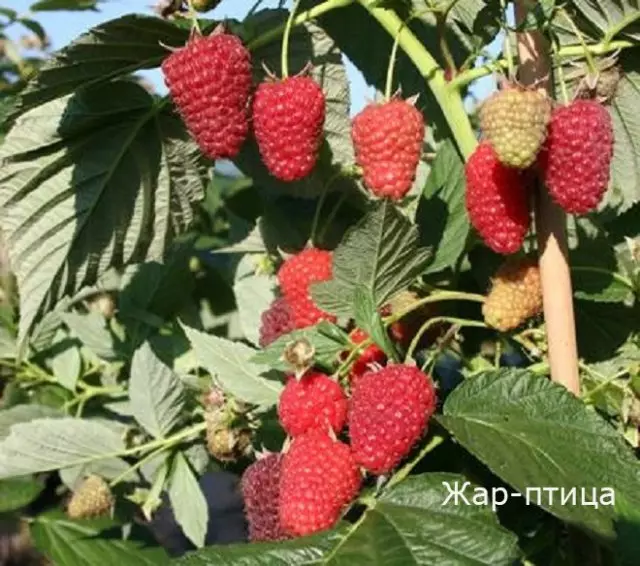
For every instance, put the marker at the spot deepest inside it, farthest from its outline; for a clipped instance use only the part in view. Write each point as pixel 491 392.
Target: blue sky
pixel 63 27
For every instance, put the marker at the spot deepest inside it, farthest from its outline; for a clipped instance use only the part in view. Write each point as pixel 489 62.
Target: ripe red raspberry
pixel 498 201
pixel 288 117
pixel 296 275
pixel 210 80
pixel 388 413
pixel 276 321
pixel 261 492
pixel 388 141
pixel 315 401
pixel 372 354
pixel 319 478
pixel 577 156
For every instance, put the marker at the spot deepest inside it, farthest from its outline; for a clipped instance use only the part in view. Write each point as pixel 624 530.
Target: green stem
pixel 507 42
pixel 590 63
pixel 623 23
pixel 436 297
pixel 284 55
pixel 193 15
pixel 403 472
pixel 433 321
pixel 301 18
pixel 392 63
pixel 568 51
pixel 139 464
pixel 448 99
pixel 151 445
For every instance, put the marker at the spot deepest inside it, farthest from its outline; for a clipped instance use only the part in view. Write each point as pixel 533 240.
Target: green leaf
pixel 327 339
pixel 49 5
pixel 155 392
pixel 308 44
pixel 16 493
pixel 113 49
pixel 151 286
pixel 80 543
pixel 47 444
pixel 23 414
pixel 442 214
pixel 407 526
pixel 93 332
pixel 99 179
pixel 600 285
pixel 188 502
pixel 230 363
pixel 368 319
pixel 534 434
pixel 381 253
pixel 254 294
pixel 66 362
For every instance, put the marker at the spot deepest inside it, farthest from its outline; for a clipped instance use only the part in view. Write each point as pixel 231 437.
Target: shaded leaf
pixel 254 294
pixel 93 332
pixel 47 444
pixel 188 502
pixel 155 392
pixel 66 362
pixel 95 180
pixel 16 493
pixel 23 414
pixel 442 215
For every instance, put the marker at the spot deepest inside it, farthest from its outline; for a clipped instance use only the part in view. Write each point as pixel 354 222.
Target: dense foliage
pixel 138 378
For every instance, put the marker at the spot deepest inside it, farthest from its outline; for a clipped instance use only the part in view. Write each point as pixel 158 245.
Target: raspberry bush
pixel 250 318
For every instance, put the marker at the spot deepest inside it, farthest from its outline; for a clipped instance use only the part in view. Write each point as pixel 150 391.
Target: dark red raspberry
pixel 498 200
pixel 288 117
pixel 319 478
pixel 261 492
pixel 576 159
pixel 295 276
pixel 276 321
pixel 209 80
pixel 315 401
pixel 388 141
pixel 388 413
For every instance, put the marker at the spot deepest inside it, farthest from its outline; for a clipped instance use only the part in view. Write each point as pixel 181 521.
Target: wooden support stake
pixel 550 222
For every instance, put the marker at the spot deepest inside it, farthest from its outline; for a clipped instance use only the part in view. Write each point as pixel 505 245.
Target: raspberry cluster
pixel 210 81
pixel 569 148
pixel 319 475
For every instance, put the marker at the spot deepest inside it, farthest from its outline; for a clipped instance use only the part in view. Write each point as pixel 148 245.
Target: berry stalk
pixel 448 99
pixel 552 238
pixel 284 53
pixel 301 18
